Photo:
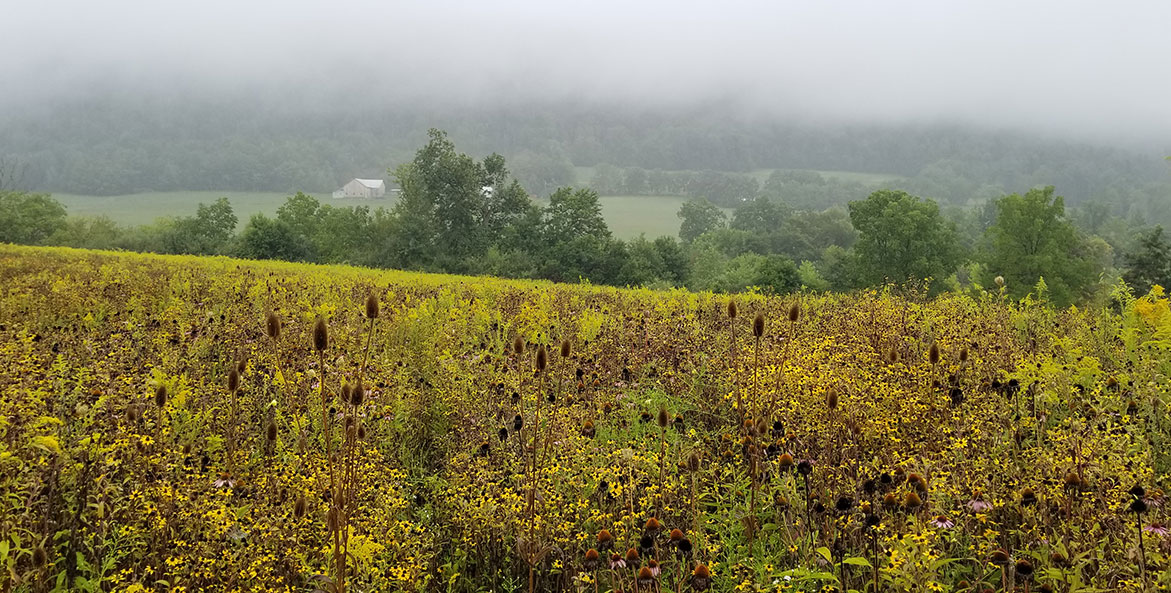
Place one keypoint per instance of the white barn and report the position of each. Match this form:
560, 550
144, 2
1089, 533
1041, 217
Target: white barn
362, 188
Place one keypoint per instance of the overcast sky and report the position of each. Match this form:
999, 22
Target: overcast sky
1098, 68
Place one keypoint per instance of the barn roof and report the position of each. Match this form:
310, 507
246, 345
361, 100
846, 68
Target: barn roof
371, 183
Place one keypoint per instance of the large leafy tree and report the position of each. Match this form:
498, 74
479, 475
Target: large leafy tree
29, 218
1031, 239
572, 214
1149, 263
902, 238
699, 216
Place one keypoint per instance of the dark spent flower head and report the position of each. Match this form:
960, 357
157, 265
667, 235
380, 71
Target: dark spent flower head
1138, 506
272, 325
371, 306
591, 560
605, 540
40, 557
843, 504
805, 467
999, 558
684, 548
1138, 491
912, 501
645, 577
701, 578
320, 335
675, 536
1024, 568
652, 526
1028, 497
646, 542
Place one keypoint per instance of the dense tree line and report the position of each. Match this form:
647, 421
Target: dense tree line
123, 145
465, 215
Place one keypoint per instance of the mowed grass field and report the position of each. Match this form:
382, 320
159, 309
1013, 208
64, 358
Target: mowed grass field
627, 216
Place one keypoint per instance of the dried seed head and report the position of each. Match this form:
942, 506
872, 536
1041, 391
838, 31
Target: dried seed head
652, 526
1024, 568
161, 396
361, 432
271, 432
693, 462
566, 349
794, 313
701, 578
233, 380
591, 560
663, 419
732, 310
242, 365
999, 281
371, 306
40, 558
893, 355
831, 400
999, 558
785, 462
675, 536
912, 501
518, 345
964, 354
542, 358
320, 335
933, 353
758, 325
300, 507
272, 325
605, 540
358, 394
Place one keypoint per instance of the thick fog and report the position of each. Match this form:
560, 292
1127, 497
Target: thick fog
1093, 69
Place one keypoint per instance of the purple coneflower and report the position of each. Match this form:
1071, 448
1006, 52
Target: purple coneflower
978, 504
943, 522
617, 562
1157, 529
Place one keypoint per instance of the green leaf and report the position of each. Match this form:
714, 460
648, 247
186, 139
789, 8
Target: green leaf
857, 561
48, 444
825, 553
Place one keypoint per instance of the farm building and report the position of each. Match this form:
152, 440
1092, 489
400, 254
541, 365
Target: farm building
362, 188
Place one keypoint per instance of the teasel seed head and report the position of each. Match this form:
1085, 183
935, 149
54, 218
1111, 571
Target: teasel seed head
732, 310
272, 325
831, 400
566, 348
794, 312
933, 353
371, 306
663, 419
893, 355
758, 325
542, 359
271, 431
300, 507
320, 335
161, 396
693, 462
518, 345
40, 557
964, 354
358, 394
233, 380
331, 520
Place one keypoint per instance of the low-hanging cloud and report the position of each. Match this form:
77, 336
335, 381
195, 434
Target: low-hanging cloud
1079, 68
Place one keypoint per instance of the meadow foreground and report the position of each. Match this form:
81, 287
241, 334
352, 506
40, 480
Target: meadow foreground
206, 424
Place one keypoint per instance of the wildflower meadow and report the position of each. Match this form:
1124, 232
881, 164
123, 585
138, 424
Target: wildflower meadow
176, 423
